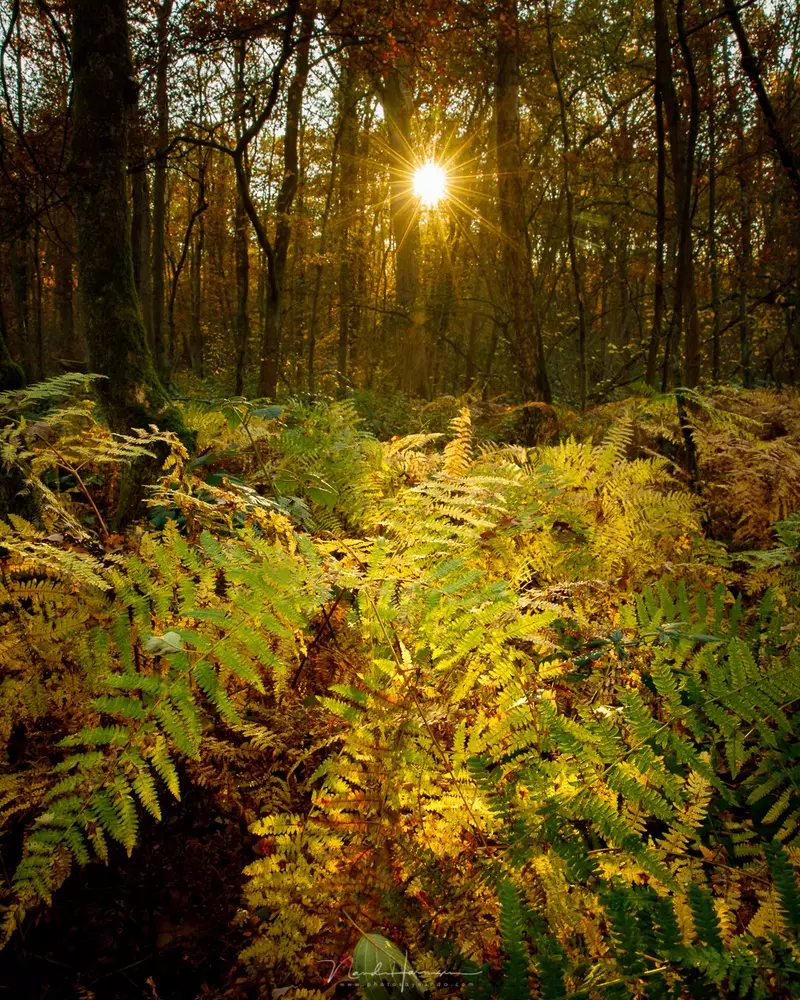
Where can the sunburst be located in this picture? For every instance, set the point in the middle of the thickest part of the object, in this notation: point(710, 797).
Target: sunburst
point(430, 184)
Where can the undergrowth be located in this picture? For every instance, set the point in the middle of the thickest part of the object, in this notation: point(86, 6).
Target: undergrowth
point(528, 715)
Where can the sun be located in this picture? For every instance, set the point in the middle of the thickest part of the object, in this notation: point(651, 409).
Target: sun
point(430, 184)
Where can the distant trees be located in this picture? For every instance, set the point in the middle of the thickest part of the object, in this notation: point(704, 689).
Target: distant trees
point(622, 202)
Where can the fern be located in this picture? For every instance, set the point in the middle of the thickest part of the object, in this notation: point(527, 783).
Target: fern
point(158, 687)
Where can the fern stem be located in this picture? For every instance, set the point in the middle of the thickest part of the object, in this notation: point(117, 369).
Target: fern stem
point(623, 980)
point(426, 724)
point(71, 468)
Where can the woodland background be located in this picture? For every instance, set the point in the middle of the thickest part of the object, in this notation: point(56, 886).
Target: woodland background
point(621, 150)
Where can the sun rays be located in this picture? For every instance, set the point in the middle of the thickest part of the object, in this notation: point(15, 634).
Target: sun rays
point(441, 182)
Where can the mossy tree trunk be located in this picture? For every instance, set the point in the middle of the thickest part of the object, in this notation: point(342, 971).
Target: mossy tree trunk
point(159, 260)
point(104, 95)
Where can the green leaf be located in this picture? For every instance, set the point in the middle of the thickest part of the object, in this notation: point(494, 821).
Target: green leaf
point(267, 412)
point(163, 645)
point(382, 971)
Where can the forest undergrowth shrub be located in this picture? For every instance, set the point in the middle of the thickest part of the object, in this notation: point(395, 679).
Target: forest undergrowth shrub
point(66, 464)
point(491, 739)
point(313, 460)
point(748, 445)
point(144, 648)
point(563, 514)
point(647, 772)
point(117, 655)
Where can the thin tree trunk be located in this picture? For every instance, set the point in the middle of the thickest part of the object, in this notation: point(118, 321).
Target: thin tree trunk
point(794, 316)
point(682, 151)
point(348, 180)
point(661, 231)
point(241, 238)
point(490, 356)
point(398, 108)
point(443, 304)
point(515, 244)
point(141, 234)
point(11, 374)
point(743, 256)
point(573, 254)
point(313, 326)
point(63, 287)
point(36, 303)
point(19, 290)
point(690, 311)
point(196, 328)
point(160, 187)
point(682, 148)
point(271, 343)
point(475, 326)
point(362, 250)
point(712, 220)
point(297, 308)
point(194, 214)
point(15, 497)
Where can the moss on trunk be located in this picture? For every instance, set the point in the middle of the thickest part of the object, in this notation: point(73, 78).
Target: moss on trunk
point(105, 93)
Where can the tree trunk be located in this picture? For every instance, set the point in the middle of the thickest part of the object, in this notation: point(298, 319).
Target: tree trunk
point(177, 267)
point(271, 343)
point(313, 326)
point(240, 237)
point(11, 374)
point(196, 329)
point(515, 244)
point(682, 149)
point(661, 231)
point(19, 290)
point(573, 253)
point(298, 306)
point(794, 316)
point(63, 288)
point(397, 101)
point(37, 304)
point(743, 256)
point(348, 182)
point(104, 93)
point(160, 187)
point(442, 307)
point(712, 219)
point(140, 235)
point(476, 324)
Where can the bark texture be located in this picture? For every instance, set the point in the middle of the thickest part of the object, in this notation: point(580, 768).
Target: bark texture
point(105, 92)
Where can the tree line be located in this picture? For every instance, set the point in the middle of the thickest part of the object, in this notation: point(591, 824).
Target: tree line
point(227, 190)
